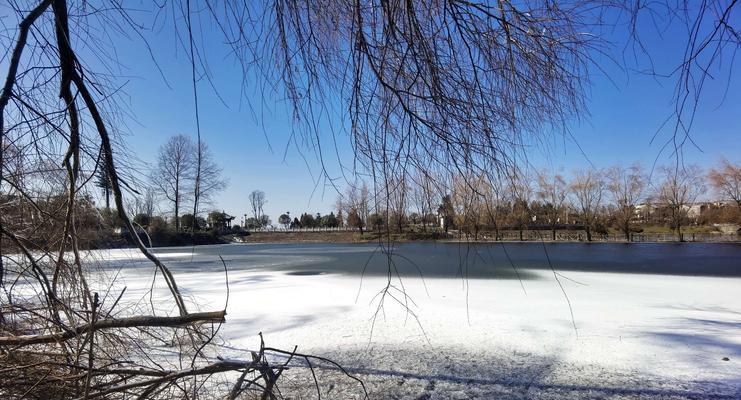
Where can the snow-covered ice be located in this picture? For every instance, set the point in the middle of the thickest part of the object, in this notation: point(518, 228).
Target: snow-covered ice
point(635, 335)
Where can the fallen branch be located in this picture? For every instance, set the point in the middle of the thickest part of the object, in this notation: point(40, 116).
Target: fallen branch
point(130, 322)
point(217, 367)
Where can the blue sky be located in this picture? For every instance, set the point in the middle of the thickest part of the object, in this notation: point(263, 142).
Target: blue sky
point(252, 148)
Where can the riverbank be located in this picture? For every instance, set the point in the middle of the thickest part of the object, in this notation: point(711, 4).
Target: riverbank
point(335, 237)
point(122, 241)
point(347, 236)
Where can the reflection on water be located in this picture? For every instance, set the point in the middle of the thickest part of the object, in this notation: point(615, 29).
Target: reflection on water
point(483, 260)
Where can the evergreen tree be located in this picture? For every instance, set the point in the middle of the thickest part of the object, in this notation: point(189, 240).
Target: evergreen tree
point(104, 183)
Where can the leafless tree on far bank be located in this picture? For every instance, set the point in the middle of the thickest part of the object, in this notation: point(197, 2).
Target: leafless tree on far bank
point(257, 202)
point(588, 188)
point(552, 191)
point(145, 203)
point(726, 181)
point(173, 174)
point(519, 188)
point(424, 197)
point(627, 186)
point(679, 189)
point(208, 180)
point(356, 201)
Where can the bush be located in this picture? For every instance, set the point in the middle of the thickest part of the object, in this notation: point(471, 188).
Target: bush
point(110, 219)
point(142, 220)
point(159, 231)
point(600, 228)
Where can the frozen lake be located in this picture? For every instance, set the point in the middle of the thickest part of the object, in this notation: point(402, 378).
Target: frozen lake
point(483, 260)
point(645, 321)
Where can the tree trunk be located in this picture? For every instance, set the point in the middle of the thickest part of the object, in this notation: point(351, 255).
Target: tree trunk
point(177, 205)
point(589, 233)
point(177, 220)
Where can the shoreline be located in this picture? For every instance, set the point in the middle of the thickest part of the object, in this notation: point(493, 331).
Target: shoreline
point(354, 237)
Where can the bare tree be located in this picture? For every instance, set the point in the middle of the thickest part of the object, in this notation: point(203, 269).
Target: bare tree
point(208, 179)
point(588, 188)
point(494, 201)
point(356, 202)
point(726, 180)
point(626, 185)
point(397, 194)
point(423, 196)
point(174, 173)
point(680, 186)
point(468, 197)
point(552, 191)
point(363, 203)
point(520, 193)
point(145, 202)
point(148, 202)
point(257, 202)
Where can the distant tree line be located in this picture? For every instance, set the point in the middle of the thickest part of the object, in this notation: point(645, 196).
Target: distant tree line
point(621, 200)
point(597, 201)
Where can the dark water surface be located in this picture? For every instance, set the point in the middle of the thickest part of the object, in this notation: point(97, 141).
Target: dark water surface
point(483, 260)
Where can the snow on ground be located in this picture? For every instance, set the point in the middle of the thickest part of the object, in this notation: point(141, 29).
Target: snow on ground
point(636, 336)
